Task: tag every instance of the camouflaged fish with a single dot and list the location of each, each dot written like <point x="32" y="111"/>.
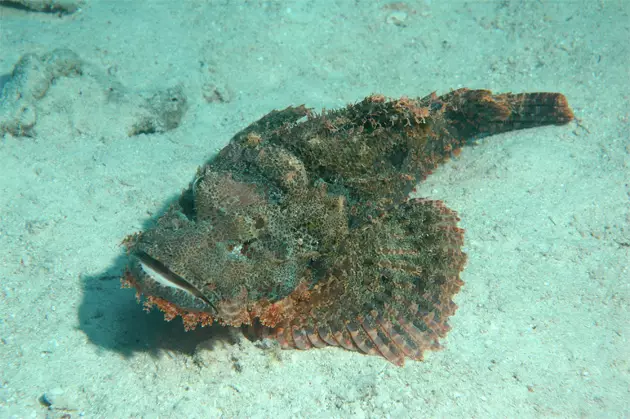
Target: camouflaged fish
<point x="302" y="225"/>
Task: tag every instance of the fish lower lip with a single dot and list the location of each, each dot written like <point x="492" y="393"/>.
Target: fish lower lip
<point x="161" y="274"/>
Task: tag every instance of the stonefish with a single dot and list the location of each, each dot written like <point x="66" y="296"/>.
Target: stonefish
<point x="302" y="227"/>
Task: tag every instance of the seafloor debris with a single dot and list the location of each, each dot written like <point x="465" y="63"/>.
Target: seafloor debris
<point x="49" y="6"/>
<point x="30" y="80"/>
<point x="301" y="226"/>
<point x="33" y="76"/>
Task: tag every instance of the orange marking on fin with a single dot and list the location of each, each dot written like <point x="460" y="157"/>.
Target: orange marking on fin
<point x="385" y="346"/>
<point x="300" y="338"/>
<point x="397" y="332"/>
<point x="326" y="335"/>
<point x="281" y="337"/>
<point x="342" y="336"/>
<point x="362" y="340"/>
<point x="314" y="338"/>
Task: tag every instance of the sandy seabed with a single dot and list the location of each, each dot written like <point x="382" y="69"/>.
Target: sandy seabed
<point x="92" y="147"/>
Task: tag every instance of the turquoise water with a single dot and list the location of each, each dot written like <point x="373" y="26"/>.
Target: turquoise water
<point x="109" y="107"/>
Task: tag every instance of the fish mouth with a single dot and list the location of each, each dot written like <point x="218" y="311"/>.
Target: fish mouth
<point x="160" y="281"/>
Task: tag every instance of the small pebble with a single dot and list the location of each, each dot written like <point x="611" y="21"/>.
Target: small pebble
<point x="397" y="18"/>
<point x="57" y="399"/>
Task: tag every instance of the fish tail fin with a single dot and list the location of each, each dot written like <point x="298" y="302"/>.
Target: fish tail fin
<point x="476" y="113"/>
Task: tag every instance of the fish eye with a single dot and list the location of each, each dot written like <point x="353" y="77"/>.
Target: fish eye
<point x="239" y="251"/>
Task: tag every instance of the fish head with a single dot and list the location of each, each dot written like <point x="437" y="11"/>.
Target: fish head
<point x="223" y="253"/>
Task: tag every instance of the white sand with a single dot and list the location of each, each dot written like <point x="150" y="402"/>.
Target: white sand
<point x="543" y="324"/>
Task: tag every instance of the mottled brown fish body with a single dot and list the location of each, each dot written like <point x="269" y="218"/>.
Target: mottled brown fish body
<point x="302" y="224"/>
